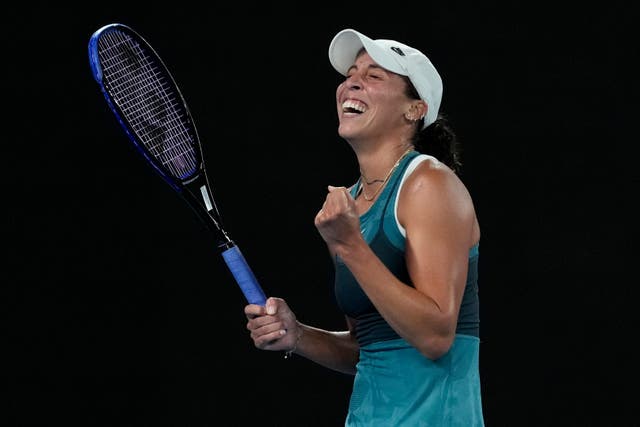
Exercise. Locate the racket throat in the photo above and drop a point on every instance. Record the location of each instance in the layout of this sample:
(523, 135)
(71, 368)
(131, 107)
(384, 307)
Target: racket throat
(212, 208)
(206, 198)
(227, 244)
(224, 241)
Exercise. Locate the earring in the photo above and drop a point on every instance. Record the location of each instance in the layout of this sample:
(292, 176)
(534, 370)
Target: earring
(409, 117)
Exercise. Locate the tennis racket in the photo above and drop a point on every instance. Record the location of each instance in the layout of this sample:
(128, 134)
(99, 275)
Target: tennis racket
(149, 106)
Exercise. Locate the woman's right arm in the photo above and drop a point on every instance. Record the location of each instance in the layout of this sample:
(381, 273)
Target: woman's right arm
(275, 327)
(337, 350)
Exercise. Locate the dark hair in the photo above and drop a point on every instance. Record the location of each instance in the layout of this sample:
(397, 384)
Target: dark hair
(438, 139)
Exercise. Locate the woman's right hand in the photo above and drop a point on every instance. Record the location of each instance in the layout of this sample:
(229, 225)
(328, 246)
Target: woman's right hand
(273, 326)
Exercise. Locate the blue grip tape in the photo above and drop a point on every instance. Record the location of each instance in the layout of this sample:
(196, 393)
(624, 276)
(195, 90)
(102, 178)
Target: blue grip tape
(244, 276)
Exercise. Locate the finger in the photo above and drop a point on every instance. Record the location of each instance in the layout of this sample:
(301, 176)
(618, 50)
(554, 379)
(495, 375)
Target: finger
(271, 307)
(254, 310)
(258, 322)
(269, 330)
(275, 305)
(269, 339)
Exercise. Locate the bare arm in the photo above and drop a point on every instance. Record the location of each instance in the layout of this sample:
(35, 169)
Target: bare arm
(334, 350)
(275, 327)
(437, 213)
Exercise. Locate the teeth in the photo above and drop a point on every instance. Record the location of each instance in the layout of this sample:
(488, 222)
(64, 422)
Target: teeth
(355, 105)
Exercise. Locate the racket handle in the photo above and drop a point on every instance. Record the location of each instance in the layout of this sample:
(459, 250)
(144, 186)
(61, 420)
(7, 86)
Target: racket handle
(244, 276)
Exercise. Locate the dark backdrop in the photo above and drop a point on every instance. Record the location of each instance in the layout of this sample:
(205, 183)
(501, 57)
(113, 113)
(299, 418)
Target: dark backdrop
(116, 307)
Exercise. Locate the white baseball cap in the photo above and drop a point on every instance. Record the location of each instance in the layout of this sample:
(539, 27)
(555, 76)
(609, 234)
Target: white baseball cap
(392, 56)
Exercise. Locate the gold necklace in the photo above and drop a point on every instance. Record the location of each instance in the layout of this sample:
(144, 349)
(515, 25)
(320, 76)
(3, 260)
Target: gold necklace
(384, 181)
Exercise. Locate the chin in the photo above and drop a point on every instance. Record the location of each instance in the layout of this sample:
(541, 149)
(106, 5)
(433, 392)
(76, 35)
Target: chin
(347, 130)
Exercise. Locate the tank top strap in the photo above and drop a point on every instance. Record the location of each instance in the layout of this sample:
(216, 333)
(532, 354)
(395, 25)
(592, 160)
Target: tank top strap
(394, 182)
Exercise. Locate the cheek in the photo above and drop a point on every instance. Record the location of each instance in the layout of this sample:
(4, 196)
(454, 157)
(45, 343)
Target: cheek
(339, 90)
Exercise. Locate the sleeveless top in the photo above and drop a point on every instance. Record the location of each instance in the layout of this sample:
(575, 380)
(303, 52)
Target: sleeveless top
(395, 385)
(382, 231)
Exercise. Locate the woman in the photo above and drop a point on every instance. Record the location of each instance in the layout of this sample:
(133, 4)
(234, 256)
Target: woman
(404, 239)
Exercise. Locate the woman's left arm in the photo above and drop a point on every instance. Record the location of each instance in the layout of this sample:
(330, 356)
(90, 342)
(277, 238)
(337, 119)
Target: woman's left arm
(437, 213)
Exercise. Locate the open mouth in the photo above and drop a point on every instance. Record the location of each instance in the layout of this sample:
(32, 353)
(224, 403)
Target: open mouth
(354, 107)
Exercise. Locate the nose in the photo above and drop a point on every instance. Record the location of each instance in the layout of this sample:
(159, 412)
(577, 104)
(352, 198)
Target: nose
(353, 81)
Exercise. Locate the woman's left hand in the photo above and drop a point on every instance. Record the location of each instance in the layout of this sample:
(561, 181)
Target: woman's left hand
(338, 221)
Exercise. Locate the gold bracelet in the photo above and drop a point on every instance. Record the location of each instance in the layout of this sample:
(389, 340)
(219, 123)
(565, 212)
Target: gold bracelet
(289, 353)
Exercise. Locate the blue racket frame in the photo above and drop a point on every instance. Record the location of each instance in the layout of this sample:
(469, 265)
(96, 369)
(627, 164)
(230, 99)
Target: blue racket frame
(191, 184)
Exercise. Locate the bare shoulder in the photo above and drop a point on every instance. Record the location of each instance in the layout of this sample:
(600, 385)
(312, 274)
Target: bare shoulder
(434, 190)
(432, 176)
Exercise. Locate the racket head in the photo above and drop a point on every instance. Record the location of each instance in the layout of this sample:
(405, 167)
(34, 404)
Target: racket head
(147, 102)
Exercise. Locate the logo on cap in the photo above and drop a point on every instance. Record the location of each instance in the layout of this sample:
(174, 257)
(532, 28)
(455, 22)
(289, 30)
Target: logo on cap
(397, 50)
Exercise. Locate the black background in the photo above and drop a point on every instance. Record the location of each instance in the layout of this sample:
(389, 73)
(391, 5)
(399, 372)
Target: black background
(116, 307)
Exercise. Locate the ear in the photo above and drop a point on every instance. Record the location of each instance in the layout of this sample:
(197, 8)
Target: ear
(417, 110)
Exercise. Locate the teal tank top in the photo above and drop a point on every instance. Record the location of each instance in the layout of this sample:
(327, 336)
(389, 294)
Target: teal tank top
(380, 230)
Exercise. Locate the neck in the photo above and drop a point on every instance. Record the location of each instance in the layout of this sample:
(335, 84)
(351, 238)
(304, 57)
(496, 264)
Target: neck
(375, 164)
(376, 184)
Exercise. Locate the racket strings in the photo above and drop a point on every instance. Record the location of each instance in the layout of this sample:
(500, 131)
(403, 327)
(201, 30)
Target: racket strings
(149, 102)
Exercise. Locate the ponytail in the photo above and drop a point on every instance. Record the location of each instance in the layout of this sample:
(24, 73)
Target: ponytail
(440, 141)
